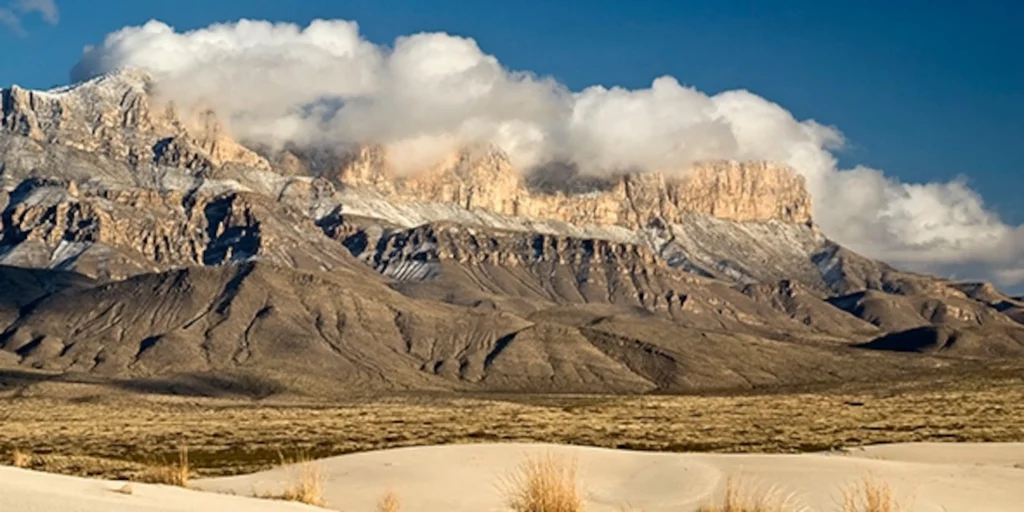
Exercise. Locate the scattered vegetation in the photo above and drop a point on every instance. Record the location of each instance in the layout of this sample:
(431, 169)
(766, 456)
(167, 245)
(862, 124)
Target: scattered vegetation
(545, 484)
(306, 485)
(21, 458)
(389, 503)
(870, 495)
(744, 497)
(177, 473)
(121, 437)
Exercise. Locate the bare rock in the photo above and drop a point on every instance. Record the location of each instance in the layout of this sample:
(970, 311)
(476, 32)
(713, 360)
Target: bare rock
(486, 180)
(116, 116)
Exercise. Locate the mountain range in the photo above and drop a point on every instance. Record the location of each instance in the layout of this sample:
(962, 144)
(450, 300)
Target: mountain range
(142, 245)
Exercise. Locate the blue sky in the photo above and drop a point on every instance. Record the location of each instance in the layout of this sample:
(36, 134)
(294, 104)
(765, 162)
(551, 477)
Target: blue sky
(924, 90)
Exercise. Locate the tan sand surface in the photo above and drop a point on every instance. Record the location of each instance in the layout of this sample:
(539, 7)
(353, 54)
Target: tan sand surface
(468, 477)
(454, 478)
(30, 491)
(990, 454)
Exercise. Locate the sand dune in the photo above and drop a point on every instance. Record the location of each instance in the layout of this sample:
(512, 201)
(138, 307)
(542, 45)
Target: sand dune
(29, 491)
(988, 454)
(453, 478)
(465, 477)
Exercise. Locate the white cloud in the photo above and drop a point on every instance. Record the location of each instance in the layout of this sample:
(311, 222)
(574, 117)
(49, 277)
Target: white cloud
(11, 16)
(46, 8)
(325, 84)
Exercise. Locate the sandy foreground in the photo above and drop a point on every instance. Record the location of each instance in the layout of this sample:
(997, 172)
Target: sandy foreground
(928, 477)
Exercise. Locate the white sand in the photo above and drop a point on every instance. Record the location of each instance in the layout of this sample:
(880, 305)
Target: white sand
(987, 454)
(464, 477)
(930, 477)
(30, 491)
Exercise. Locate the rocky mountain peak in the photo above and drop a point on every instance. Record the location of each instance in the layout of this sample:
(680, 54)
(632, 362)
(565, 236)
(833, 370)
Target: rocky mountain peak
(211, 258)
(116, 115)
(120, 117)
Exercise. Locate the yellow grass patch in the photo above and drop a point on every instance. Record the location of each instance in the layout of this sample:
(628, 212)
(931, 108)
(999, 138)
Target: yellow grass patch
(870, 495)
(389, 503)
(742, 497)
(21, 458)
(170, 474)
(307, 483)
(545, 484)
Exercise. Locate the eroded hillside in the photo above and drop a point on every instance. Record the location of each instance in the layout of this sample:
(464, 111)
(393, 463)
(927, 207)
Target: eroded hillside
(161, 247)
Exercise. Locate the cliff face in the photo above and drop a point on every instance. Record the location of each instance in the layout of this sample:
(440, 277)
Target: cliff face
(117, 117)
(742, 192)
(742, 222)
(141, 164)
(117, 233)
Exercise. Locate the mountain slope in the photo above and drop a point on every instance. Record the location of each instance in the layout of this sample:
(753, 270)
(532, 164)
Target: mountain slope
(330, 334)
(325, 270)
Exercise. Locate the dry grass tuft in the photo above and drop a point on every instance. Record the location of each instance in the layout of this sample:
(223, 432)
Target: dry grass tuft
(389, 503)
(545, 484)
(170, 474)
(21, 458)
(745, 498)
(307, 485)
(870, 496)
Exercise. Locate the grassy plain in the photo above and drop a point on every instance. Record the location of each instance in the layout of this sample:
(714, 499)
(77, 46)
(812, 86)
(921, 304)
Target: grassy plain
(126, 435)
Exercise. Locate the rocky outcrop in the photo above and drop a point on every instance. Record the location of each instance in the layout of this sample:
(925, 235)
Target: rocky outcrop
(116, 116)
(742, 192)
(742, 222)
(116, 233)
(406, 249)
(486, 180)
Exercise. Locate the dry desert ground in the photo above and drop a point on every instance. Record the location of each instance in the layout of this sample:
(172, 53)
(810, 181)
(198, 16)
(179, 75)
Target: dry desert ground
(941, 445)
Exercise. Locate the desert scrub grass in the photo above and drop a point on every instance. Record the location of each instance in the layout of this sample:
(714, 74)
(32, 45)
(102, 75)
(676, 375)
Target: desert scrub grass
(870, 495)
(547, 483)
(177, 473)
(389, 503)
(745, 497)
(111, 438)
(21, 458)
(306, 485)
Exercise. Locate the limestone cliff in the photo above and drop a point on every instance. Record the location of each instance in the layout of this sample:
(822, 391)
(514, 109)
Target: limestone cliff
(739, 221)
(117, 233)
(742, 192)
(118, 117)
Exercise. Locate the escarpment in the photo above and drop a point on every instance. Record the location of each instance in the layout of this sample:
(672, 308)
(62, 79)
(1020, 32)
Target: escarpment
(153, 245)
(486, 180)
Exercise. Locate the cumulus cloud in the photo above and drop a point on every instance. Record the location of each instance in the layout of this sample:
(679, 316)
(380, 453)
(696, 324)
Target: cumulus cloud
(11, 15)
(46, 8)
(277, 83)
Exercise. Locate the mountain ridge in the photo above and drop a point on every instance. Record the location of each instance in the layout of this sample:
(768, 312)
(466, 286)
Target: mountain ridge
(163, 247)
(116, 115)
